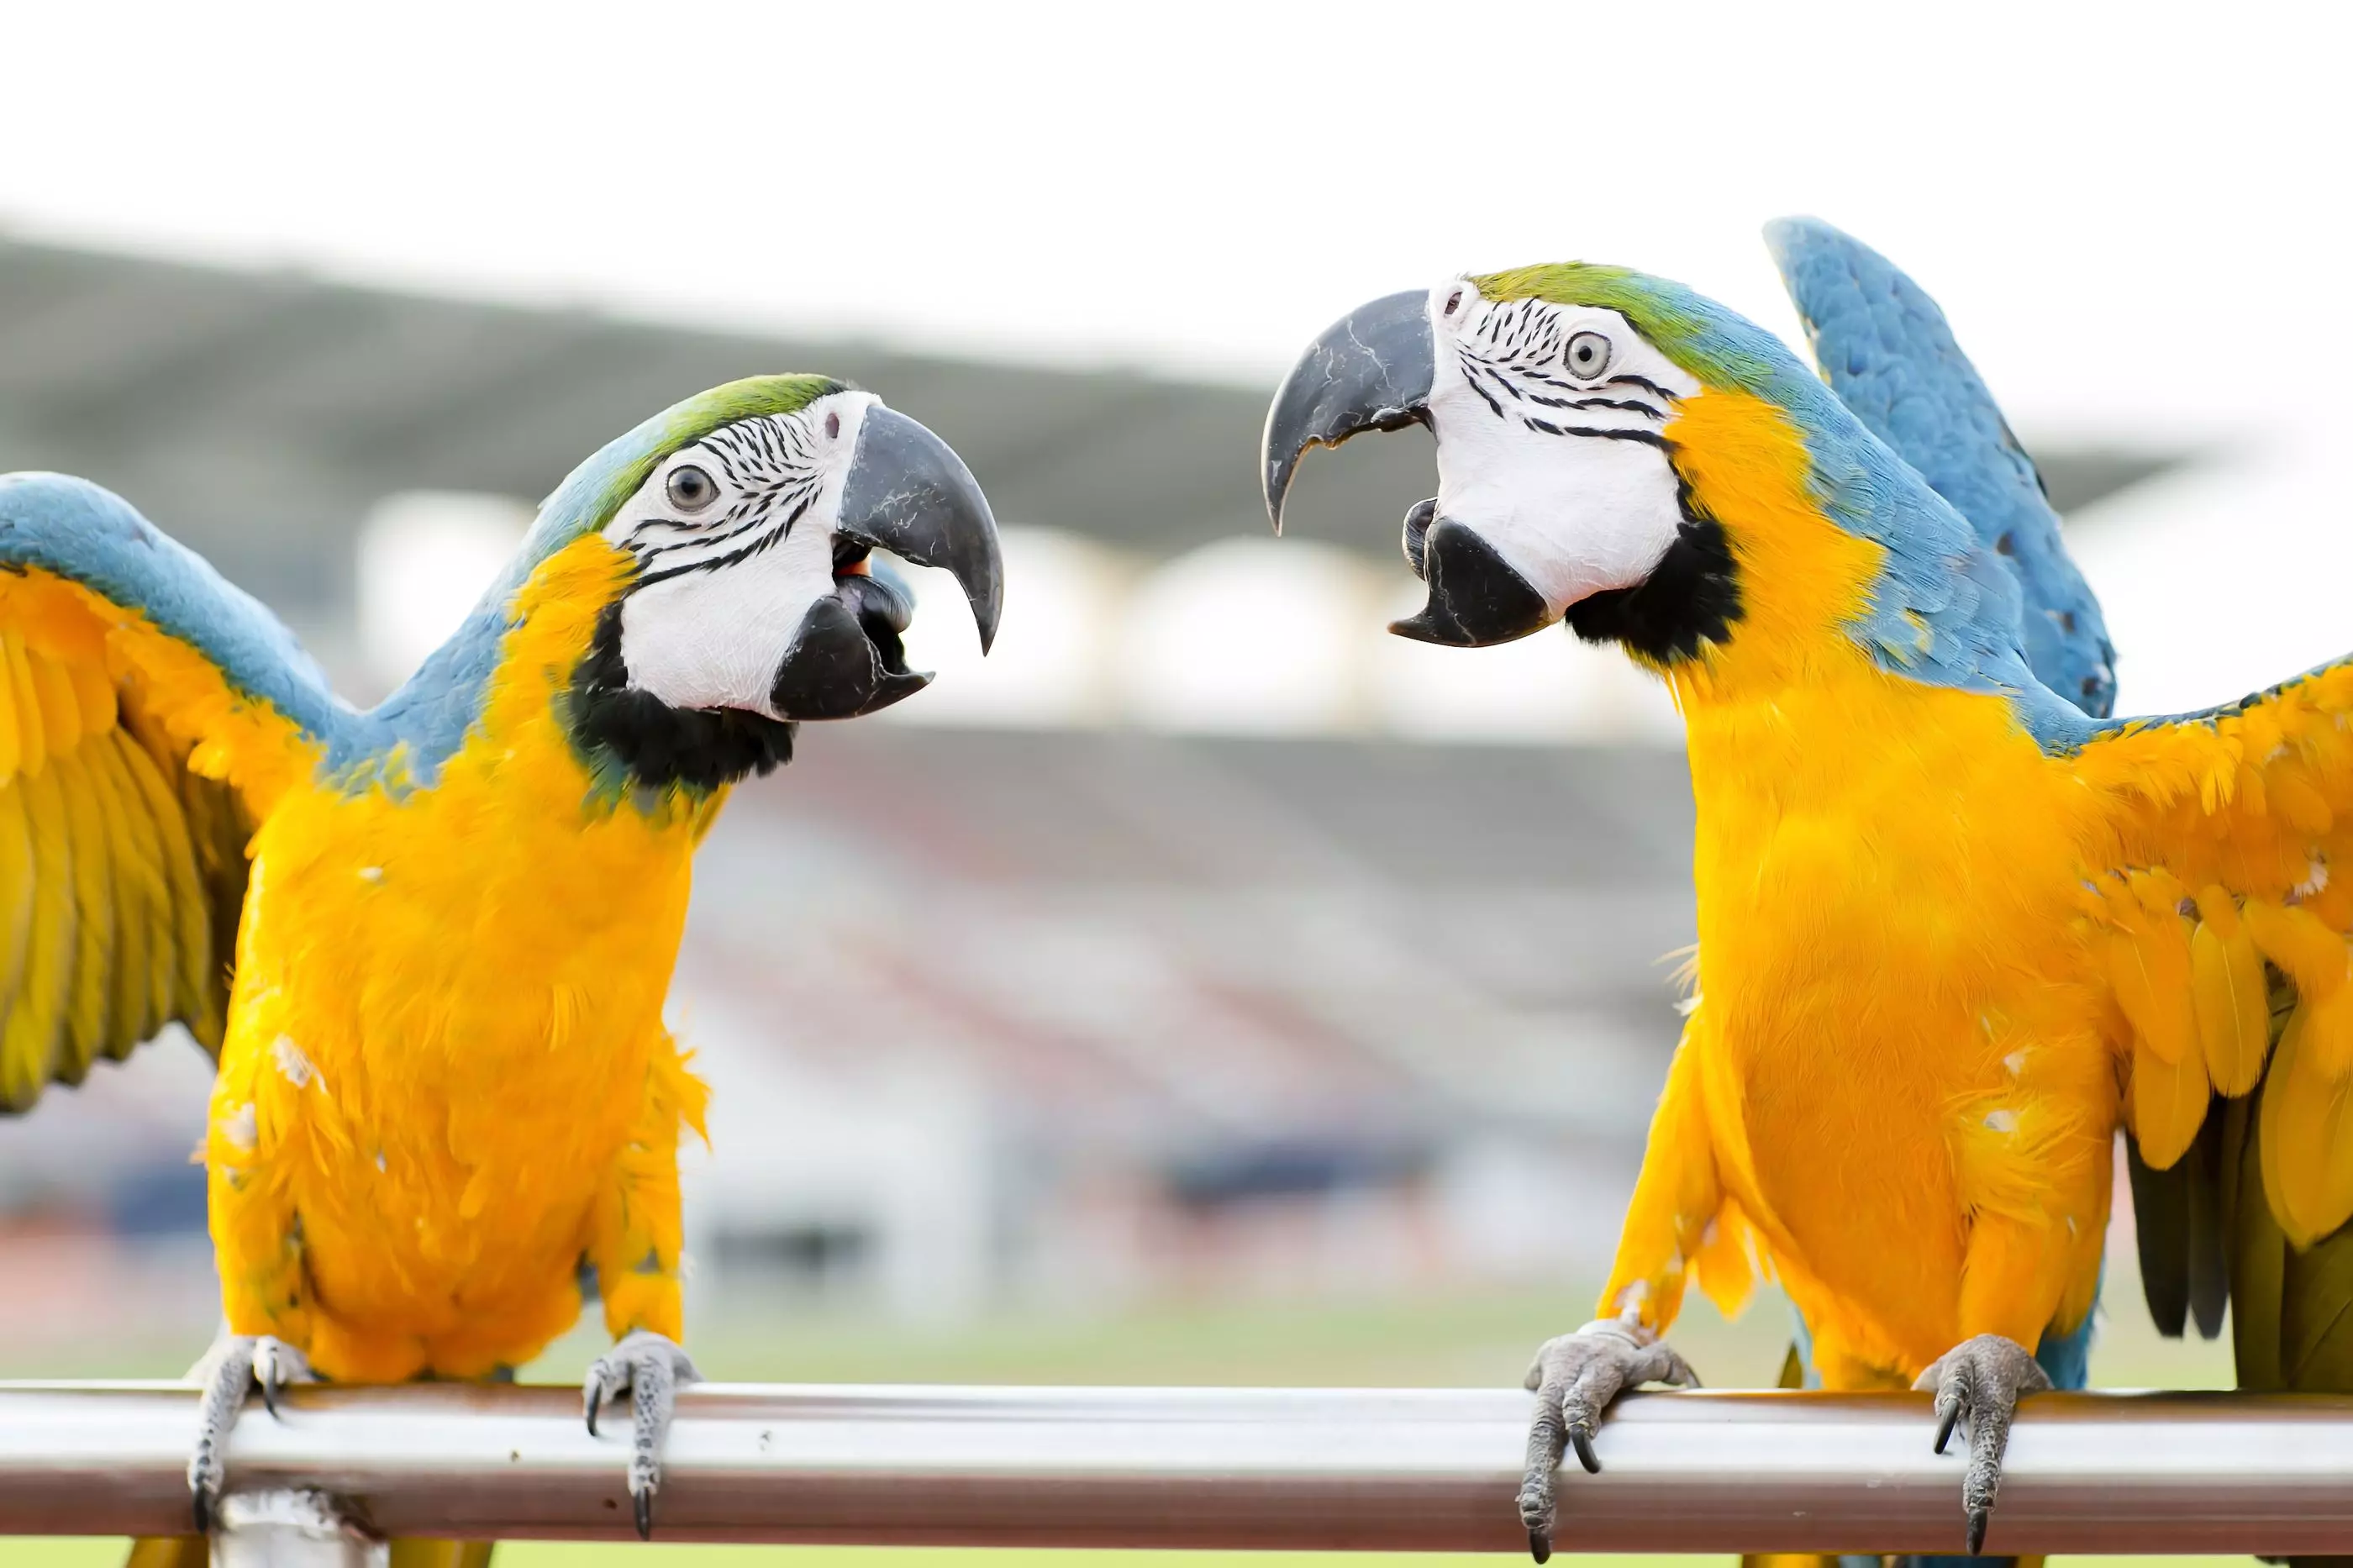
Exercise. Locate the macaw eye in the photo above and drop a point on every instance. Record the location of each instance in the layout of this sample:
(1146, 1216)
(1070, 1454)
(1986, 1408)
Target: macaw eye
(691, 489)
(1587, 355)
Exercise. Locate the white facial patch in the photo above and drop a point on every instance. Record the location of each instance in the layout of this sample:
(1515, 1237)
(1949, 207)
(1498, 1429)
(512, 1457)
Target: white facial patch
(1548, 420)
(733, 537)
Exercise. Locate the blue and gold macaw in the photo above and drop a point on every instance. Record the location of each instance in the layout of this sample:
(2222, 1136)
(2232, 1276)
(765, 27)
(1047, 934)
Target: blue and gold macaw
(1957, 926)
(429, 943)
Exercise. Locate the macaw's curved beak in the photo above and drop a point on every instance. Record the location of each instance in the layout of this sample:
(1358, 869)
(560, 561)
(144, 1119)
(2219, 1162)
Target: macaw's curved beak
(1371, 369)
(909, 493)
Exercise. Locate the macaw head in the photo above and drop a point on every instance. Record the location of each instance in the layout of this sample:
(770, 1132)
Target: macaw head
(1551, 392)
(740, 523)
(1618, 452)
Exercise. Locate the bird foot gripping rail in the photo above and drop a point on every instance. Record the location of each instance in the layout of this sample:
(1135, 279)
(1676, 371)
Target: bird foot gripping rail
(1297, 1468)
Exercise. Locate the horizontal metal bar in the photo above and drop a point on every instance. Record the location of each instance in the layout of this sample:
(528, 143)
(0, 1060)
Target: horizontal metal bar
(1304, 1468)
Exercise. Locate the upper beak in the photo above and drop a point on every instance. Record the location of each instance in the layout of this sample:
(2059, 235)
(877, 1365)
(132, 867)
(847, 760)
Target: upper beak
(1370, 371)
(909, 493)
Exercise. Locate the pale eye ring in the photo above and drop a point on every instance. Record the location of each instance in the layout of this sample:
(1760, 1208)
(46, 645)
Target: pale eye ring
(690, 488)
(1587, 356)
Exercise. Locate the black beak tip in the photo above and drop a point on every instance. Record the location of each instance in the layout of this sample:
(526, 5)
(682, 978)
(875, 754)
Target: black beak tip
(1421, 628)
(896, 687)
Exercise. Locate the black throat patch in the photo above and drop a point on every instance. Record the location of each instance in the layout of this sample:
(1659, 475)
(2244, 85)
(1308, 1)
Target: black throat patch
(1692, 596)
(653, 744)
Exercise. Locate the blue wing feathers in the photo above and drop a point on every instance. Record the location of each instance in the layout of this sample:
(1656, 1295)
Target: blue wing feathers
(1888, 353)
(88, 535)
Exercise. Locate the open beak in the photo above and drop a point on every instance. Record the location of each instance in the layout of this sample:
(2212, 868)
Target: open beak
(909, 493)
(1372, 370)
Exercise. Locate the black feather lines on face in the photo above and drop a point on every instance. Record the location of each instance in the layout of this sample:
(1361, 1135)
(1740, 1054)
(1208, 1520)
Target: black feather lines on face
(655, 745)
(1510, 358)
(771, 467)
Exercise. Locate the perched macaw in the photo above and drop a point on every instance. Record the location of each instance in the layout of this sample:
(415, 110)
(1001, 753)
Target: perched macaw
(1954, 928)
(429, 943)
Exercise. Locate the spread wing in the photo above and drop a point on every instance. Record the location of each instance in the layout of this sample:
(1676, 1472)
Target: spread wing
(1885, 350)
(149, 712)
(2224, 926)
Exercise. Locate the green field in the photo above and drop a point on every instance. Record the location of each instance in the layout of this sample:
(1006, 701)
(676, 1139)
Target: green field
(1431, 1341)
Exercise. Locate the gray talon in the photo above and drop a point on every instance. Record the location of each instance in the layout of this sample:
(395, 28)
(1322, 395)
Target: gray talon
(1978, 1383)
(228, 1372)
(1574, 1379)
(650, 1369)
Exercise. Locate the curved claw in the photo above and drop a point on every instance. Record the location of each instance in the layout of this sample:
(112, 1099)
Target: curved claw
(1575, 1379)
(1980, 1381)
(228, 1372)
(650, 1369)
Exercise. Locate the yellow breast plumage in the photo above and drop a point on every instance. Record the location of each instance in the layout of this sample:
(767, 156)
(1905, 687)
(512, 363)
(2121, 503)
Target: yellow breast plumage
(446, 997)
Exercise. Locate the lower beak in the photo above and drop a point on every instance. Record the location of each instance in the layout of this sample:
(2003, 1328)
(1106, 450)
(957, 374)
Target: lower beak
(846, 660)
(1476, 599)
(1371, 369)
(909, 493)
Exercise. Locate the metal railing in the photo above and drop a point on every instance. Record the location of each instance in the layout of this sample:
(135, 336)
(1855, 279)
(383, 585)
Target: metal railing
(1328, 1469)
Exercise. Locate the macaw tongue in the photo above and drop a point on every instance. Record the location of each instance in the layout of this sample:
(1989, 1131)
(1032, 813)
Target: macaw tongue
(879, 604)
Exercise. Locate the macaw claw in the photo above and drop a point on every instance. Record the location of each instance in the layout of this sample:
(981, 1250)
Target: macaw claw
(1981, 1380)
(650, 1369)
(1574, 1379)
(228, 1372)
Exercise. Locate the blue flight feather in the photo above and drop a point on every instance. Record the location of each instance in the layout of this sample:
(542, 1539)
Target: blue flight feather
(1888, 353)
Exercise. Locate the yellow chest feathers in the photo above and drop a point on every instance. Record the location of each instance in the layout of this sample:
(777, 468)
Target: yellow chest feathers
(475, 965)
(1903, 1024)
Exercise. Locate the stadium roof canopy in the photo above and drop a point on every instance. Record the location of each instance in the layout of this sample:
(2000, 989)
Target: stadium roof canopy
(257, 415)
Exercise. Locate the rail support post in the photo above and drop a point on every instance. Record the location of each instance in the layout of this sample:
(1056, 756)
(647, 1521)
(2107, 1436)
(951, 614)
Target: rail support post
(292, 1530)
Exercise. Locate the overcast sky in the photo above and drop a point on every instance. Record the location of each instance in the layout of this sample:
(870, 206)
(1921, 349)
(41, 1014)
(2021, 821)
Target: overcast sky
(2133, 215)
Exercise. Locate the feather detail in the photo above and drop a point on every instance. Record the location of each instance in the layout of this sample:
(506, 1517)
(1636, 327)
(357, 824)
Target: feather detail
(2227, 987)
(184, 964)
(12, 752)
(61, 714)
(89, 1001)
(33, 1035)
(2307, 1140)
(2305, 808)
(20, 1081)
(32, 740)
(1728, 1260)
(2168, 1104)
(2150, 964)
(149, 809)
(135, 888)
(2292, 937)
